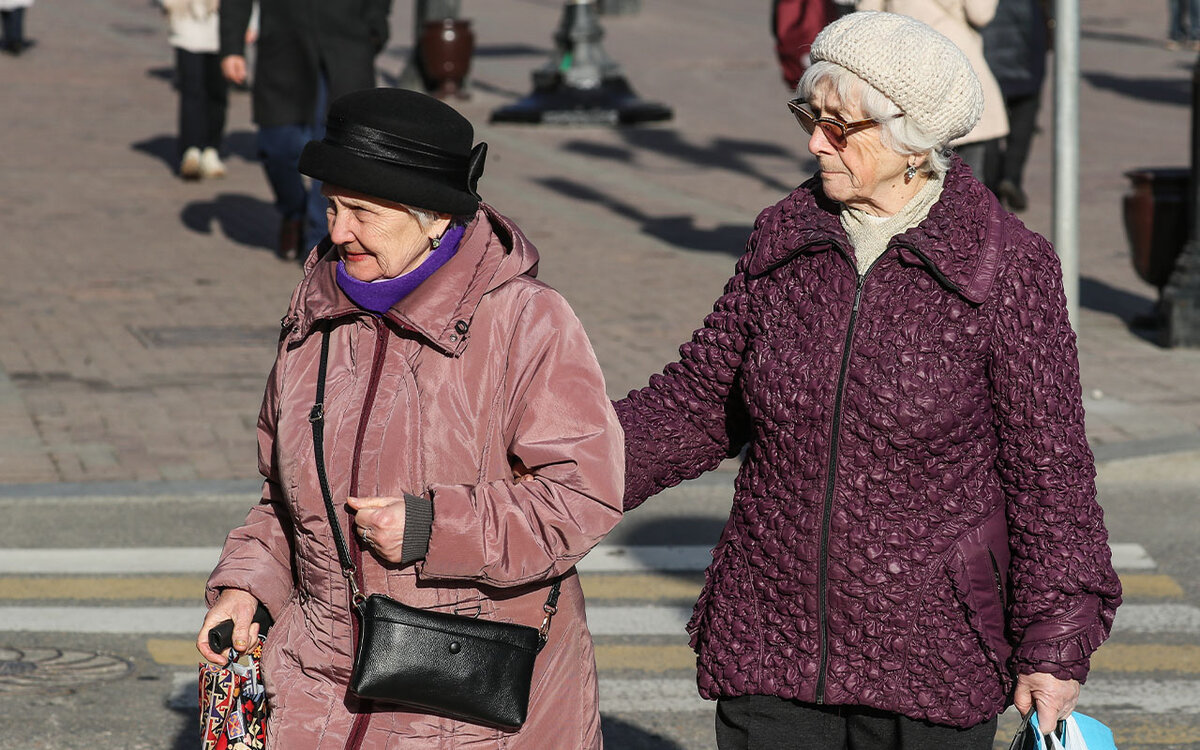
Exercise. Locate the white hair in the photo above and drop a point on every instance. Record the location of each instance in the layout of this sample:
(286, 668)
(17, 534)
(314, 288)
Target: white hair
(900, 134)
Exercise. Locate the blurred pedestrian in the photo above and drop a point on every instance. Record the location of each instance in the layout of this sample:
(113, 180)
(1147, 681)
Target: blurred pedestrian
(1184, 23)
(12, 23)
(914, 540)
(307, 54)
(450, 369)
(203, 90)
(960, 21)
(795, 23)
(1015, 45)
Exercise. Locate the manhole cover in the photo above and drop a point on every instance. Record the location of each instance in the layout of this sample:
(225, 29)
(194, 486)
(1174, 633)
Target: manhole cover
(38, 669)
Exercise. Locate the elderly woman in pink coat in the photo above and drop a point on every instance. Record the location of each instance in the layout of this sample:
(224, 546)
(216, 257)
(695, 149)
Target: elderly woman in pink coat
(450, 368)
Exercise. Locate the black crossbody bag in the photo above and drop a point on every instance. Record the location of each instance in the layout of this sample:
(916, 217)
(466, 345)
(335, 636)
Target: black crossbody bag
(463, 667)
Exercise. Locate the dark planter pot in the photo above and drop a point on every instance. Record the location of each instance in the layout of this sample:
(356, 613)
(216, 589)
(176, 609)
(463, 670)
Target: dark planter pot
(446, 48)
(1156, 220)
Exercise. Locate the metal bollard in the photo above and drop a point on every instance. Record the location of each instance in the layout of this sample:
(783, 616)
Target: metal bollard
(581, 85)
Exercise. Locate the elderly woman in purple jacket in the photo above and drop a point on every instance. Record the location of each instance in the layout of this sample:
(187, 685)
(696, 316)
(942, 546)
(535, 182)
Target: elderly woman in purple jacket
(914, 542)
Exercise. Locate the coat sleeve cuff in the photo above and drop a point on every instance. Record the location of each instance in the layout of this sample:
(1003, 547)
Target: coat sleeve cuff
(418, 527)
(1062, 646)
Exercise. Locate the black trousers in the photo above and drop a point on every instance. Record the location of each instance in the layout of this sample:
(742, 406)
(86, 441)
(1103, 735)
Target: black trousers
(13, 23)
(764, 722)
(203, 99)
(1006, 157)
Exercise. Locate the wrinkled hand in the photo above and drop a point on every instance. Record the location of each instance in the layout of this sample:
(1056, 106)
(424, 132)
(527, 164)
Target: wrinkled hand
(379, 522)
(1054, 699)
(233, 67)
(236, 605)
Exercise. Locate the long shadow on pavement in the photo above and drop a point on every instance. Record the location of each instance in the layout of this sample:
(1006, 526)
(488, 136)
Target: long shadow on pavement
(1160, 90)
(1136, 311)
(244, 219)
(729, 154)
(680, 231)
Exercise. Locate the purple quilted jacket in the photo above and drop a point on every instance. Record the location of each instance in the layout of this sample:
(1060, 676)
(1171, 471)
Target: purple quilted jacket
(915, 519)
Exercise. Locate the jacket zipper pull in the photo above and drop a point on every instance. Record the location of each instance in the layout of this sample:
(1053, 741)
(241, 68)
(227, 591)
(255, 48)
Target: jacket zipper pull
(862, 280)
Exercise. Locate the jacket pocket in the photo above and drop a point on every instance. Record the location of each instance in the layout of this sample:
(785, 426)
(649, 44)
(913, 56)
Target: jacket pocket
(699, 619)
(979, 573)
(726, 610)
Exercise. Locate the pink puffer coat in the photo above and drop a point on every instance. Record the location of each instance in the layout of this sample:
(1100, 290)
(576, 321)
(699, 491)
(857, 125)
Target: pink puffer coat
(480, 366)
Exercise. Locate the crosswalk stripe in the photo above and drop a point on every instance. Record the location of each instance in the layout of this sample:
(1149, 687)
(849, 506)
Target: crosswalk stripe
(1150, 586)
(1129, 556)
(101, 619)
(1157, 618)
(105, 587)
(621, 696)
(1100, 696)
(1111, 658)
(606, 558)
(603, 620)
(1146, 657)
(637, 586)
(104, 561)
(1119, 695)
(640, 586)
(174, 652)
(609, 657)
(645, 620)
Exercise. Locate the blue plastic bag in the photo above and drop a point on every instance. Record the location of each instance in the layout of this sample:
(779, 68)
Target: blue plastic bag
(1077, 732)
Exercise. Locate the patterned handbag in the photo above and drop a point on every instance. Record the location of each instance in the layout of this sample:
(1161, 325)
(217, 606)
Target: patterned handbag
(233, 703)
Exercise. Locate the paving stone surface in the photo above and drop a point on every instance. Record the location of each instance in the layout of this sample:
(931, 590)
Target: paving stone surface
(139, 311)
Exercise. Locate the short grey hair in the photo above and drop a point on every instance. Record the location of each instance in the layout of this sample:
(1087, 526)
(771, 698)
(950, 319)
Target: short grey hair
(900, 134)
(427, 218)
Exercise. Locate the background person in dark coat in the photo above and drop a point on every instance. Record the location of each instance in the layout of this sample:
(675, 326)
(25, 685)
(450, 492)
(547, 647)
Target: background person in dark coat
(914, 541)
(309, 52)
(1014, 45)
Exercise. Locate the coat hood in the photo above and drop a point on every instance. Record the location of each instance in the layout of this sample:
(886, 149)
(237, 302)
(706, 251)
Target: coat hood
(959, 243)
(493, 250)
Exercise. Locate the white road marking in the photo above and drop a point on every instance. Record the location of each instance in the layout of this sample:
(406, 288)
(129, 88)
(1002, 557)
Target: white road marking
(167, 620)
(104, 561)
(1157, 618)
(1127, 556)
(603, 559)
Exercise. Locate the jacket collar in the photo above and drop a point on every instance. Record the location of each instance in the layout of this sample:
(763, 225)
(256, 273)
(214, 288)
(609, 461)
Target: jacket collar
(492, 251)
(959, 243)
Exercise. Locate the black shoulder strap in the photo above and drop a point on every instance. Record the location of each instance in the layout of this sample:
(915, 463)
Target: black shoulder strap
(316, 417)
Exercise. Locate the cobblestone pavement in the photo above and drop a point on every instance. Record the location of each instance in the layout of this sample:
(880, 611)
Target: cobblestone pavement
(139, 311)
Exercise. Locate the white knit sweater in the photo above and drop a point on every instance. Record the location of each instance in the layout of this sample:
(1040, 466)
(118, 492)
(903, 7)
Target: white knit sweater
(870, 234)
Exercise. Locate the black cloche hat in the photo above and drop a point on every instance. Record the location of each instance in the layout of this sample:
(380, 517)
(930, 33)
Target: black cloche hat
(402, 146)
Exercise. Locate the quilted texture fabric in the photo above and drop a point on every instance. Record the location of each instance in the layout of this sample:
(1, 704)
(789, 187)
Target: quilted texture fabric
(915, 519)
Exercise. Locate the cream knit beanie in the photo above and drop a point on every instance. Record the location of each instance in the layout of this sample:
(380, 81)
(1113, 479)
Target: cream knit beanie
(923, 72)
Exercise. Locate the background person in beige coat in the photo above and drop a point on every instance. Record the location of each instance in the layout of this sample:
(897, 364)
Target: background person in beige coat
(960, 21)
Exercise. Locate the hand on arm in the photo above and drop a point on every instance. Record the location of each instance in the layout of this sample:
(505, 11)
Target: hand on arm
(1054, 699)
(236, 605)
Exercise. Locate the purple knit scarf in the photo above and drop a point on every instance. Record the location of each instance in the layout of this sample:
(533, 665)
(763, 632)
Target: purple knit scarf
(380, 296)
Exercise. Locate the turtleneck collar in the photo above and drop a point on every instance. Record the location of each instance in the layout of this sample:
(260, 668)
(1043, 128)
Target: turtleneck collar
(870, 234)
(381, 295)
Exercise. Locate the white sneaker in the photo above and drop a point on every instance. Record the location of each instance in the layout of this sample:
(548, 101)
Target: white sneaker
(189, 167)
(210, 164)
